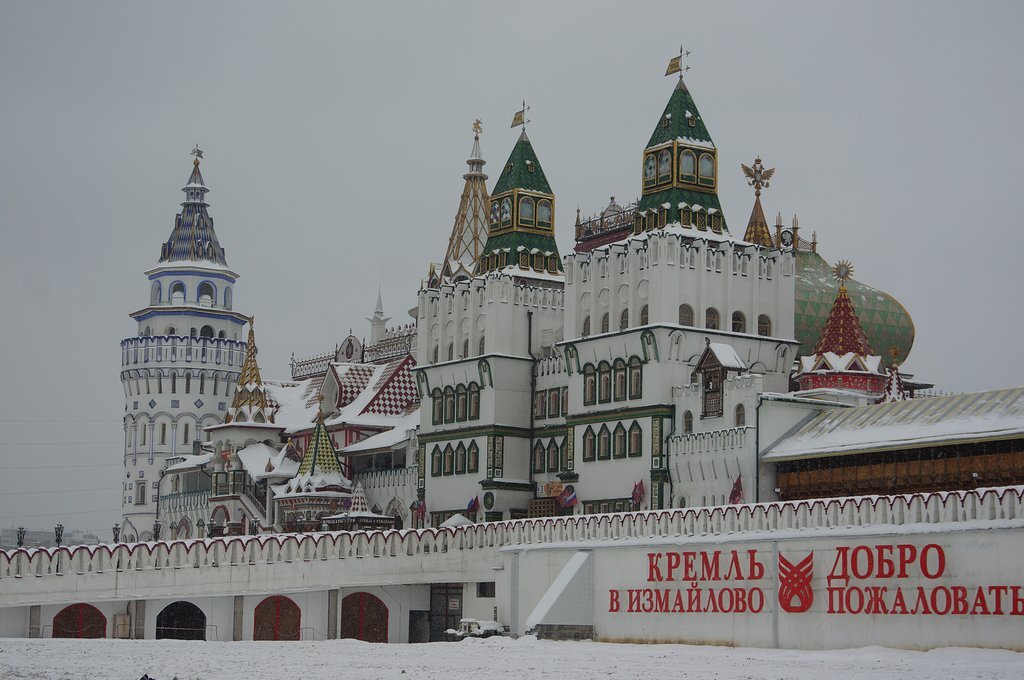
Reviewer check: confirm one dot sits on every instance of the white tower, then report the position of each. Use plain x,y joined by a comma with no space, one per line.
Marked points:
181,367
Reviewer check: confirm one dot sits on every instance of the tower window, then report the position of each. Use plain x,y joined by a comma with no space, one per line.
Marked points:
586,327
650,170
711,319
154,294
506,212
707,170
604,382
741,415
205,294
588,445
604,443
177,293
624,319
664,166
589,385
643,316
739,322
227,298
687,166
526,216
604,323
544,213
764,325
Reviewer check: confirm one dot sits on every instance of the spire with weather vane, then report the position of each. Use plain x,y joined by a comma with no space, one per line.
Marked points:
757,227
193,238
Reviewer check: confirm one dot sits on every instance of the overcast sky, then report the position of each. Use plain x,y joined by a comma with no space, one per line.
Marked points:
335,139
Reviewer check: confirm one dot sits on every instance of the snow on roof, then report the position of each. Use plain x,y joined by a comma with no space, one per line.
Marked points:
845,362
514,270
915,423
727,356
191,463
456,520
295,401
255,457
281,466
401,432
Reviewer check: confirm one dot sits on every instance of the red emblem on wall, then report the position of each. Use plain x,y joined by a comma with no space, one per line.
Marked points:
795,594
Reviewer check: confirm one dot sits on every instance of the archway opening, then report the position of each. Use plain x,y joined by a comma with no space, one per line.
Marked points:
80,621
181,621
277,618
364,617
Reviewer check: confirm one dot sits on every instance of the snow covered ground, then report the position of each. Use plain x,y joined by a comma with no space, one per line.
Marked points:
479,659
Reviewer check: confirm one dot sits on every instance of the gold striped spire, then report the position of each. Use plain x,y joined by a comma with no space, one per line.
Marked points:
250,401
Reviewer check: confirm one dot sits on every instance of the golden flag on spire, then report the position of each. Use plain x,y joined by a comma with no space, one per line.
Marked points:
675,65
520,117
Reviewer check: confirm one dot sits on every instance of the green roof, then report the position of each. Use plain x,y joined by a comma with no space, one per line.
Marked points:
676,195
516,173
679,104
513,239
886,322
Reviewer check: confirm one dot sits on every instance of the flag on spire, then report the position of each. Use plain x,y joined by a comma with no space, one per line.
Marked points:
675,64
520,117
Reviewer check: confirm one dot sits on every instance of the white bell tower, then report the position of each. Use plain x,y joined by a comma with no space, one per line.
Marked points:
181,367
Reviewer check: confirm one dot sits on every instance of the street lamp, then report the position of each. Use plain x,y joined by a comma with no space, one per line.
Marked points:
21,537
156,530
117,531
58,533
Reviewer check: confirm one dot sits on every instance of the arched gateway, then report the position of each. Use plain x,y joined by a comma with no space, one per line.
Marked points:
79,621
181,621
364,617
277,618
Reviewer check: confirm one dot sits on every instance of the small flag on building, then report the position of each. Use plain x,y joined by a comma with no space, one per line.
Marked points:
736,495
638,493
520,117
675,64
419,508
473,505
567,498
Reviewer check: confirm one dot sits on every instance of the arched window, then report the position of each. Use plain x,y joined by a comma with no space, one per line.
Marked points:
451,351
624,319
650,170
619,379
589,385
206,331
604,443
586,327
685,315
147,331
687,422
552,456
604,323
687,166
741,415
437,407
448,464
739,322
711,319
434,359
465,348
460,459
526,217
474,401
544,213
170,330
706,170
460,402
435,462
643,316
223,336
227,297
538,457
506,211
449,404
163,434
636,377
473,458
588,445
604,380
664,166
154,293
619,442
177,293
480,349
205,294
635,440
764,325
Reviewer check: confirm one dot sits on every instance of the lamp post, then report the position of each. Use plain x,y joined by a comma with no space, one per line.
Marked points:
117,531
156,530
200,525
58,533
211,529
21,537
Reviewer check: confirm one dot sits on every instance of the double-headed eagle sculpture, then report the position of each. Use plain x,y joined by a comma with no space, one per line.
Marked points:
758,175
